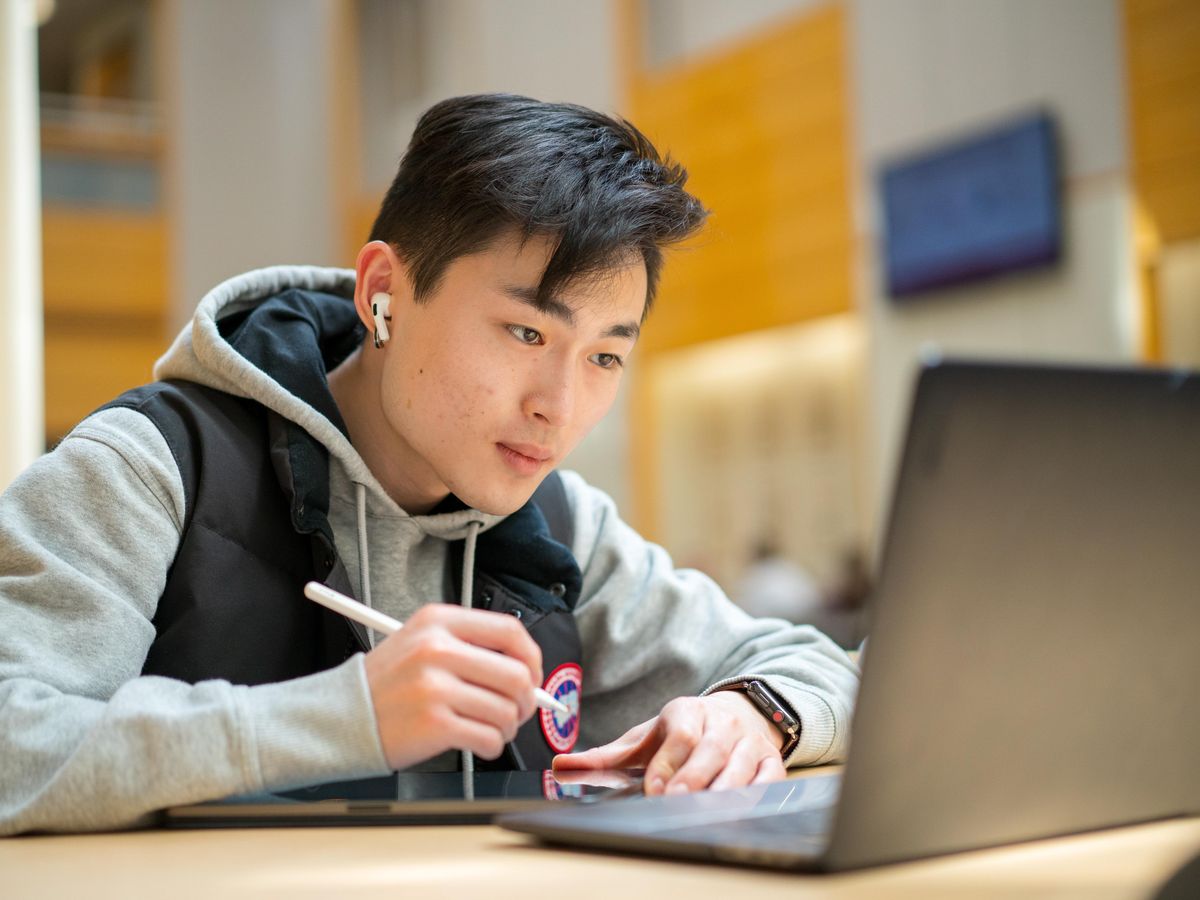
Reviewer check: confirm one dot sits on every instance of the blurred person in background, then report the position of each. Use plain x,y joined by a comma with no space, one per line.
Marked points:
383,430
850,592
773,586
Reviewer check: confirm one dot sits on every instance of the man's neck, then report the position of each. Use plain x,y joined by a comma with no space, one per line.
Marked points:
355,386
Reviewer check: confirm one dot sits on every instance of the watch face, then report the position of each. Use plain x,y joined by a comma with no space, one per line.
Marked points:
778,714
775,710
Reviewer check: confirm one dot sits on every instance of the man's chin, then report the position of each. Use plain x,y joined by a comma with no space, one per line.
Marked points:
499,503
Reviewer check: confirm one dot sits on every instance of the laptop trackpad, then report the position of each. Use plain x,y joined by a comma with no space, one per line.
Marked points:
786,817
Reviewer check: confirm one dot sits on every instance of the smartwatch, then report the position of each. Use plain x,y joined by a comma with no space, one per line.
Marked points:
774,708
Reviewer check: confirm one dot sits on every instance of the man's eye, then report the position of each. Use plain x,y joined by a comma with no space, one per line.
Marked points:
525,335
608,360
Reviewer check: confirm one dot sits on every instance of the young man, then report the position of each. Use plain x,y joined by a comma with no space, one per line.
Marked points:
383,431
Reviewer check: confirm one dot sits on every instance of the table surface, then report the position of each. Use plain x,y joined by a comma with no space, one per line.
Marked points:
485,861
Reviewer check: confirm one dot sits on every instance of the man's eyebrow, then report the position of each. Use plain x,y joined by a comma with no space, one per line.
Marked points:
550,307
629,330
564,313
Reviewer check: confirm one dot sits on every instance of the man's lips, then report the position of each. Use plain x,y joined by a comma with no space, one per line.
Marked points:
521,458
536,452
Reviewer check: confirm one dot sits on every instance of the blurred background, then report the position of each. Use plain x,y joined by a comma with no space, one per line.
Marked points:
160,146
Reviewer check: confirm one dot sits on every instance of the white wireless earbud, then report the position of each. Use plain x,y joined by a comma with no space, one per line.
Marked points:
380,307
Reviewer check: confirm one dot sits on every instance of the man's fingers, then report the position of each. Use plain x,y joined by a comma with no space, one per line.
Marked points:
452,678
745,761
770,769
708,757
480,738
493,672
486,707
628,751
694,744
681,726
483,628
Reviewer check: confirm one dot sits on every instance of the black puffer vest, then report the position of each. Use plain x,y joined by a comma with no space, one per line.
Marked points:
256,529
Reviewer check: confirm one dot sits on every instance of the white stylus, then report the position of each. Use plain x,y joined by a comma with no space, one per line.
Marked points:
372,618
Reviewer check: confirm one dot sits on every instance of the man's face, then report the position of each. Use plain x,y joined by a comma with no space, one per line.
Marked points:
484,392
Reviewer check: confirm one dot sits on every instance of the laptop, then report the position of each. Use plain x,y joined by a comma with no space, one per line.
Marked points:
1034,657
405,798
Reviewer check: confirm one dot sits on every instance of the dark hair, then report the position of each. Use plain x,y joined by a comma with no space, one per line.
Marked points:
482,165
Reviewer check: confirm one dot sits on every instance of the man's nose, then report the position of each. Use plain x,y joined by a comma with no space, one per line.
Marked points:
552,398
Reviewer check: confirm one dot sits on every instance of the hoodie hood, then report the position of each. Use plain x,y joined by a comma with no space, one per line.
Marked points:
272,335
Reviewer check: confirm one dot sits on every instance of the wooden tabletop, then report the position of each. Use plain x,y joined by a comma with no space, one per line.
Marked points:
484,861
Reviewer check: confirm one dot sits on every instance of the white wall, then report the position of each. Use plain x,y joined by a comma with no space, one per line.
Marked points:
559,50
927,70
248,110
21,408
677,30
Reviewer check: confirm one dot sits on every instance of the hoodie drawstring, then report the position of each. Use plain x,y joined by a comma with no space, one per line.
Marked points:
364,566
468,582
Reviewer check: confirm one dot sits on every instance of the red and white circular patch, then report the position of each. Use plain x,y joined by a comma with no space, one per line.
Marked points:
565,685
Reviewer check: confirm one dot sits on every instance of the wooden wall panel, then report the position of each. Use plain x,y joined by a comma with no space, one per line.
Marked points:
104,263
85,370
105,287
763,129
361,216
1162,39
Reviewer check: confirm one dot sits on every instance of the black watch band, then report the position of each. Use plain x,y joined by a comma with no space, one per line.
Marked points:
774,708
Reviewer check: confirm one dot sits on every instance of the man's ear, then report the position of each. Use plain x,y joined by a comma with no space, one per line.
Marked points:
379,269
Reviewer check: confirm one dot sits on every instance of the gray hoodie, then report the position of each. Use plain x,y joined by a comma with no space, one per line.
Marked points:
89,531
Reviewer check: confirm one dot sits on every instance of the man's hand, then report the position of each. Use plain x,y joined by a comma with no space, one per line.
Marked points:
718,741
452,678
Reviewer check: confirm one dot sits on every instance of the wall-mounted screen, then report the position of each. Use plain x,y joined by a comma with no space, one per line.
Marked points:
973,209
